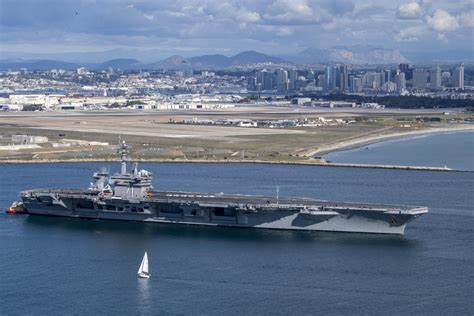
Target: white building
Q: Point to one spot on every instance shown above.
(400, 81)
(458, 80)
(356, 85)
(435, 78)
(46, 100)
(247, 123)
(82, 71)
(372, 105)
(334, 104)
(27, 139)
(300, 101)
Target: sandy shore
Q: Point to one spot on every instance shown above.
(364, 141)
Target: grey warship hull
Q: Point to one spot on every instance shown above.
(225, 210)
(129, 196)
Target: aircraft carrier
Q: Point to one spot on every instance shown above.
(129, 196)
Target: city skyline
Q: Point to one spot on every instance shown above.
(280, 28)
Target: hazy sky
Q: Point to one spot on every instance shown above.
(191, 27)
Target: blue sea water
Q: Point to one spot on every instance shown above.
(454, 150)
(52, 266)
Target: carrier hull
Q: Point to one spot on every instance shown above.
(227, 210)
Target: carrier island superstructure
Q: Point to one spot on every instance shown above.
(129, 196)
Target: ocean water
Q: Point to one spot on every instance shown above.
(65, 266)
(454, 150)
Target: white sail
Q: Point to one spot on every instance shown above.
(144, 265)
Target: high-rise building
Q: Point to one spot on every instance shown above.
(282, 80)
(322, 81)
(265, 80)
(350, 81)
(301, 83)
(269, 81)
(356, 84)
(373, 80)
(435, 78)
(458, 80)
(407, 70)
(380, 79)
(377, 80)
(403, 67)
(292, 78)
(388, 75)
(331, 77)
(400, 81)
(419, 79)
(261, 79)
(327, 78)
(445, 78)
(343, 78)
(251, 83)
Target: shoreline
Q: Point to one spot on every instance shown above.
(365, 141)
(311, 161)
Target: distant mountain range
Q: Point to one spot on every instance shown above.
(40, 64)
(120, 63)
(173, 62)
(353, 55)
(356, 55)
(216, 61)
(46, 64)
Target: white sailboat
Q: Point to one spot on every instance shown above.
(143, 270)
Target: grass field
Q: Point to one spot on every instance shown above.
(152, 138)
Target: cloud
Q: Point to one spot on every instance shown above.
(339, 7)
(292, 12)
(285, 31)
(409, 34)
(294, 6)
(466, 19)
(246, 16)
(281, 26)
(441, 21)
(412, 10)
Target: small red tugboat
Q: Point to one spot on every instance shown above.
(16, 208)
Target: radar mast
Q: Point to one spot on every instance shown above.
(123, 150)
